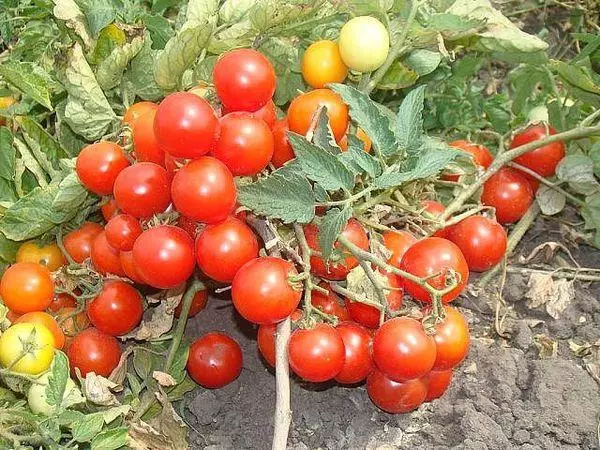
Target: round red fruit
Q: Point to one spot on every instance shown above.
(145, 144)
(397, 242)
(197, 305)
(98, 165)
(368, 315)
(26, 287)
(509, 192)
(480, 154)
(129, 267)
(105, 258)
(117, 309)
(452, 340)
(542, 160)
(358, 362)
(122, 231)
(302, 110)
(265, 338)
(94, 351)
(78, 243)
(282, 150)
(394, 397)
(143, 190)
(214, 360)
(330, 304)
(437, 382)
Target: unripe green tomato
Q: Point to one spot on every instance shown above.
(36, 396)
(364, 43)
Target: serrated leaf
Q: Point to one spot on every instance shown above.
(110, 439)
(550, 200)
(98, 14)
(70, 12)
(321, 166)
(285, 57)
(409, 121)
(84, 430)
(57, 381)
(141, 73)
(179, 54)
(87, 111)
(368, 115)
(200, 11)
(363, 159)
(284, 194)
(110, 70)
(323, 135)
(26, 77)
(8, 155)
(331, 226)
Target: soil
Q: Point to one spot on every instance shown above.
(505, 395)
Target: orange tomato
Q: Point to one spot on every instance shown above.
(322, 64)
(360, 134)
(304, 107)
(137, 110)
(46, 255)
(42, 318)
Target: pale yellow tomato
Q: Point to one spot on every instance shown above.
(27, 348)
(364, 43)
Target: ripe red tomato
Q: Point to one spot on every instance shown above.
(265, 338)
(105, 259)
(143, 190)
(244, 80)
(282, 150)
(330, 304)
(93, 351)
(542, 160)
(267, 113)
(316, 354)
(354, 232)
(509, 193)
(98, 165)
(303, 108)
(402, 350)
(198, 304)
(109, 208)
(122, 231)
(358, 362)
(62, 301)
(215, 360)
(190, 226)
(45, 319)
(78, 243)
(261, 290)
(26, 287)
(137, 110)
(482, 241)
(117, 309)
(428, 257)
(397, 242)
(480, 154)
(394, 397)
(452, 340)
(129, 267)
(437, 382)
(222, 248)
(164, 256)
(245, 144)
(185, 125)
(204, 190)
(145, 144)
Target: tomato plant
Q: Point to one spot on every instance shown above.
(451, 340)
(117, 309)
(397, 242)
(330, 304)
(265, 338)
(72, 322)
(129, 267)
(26, 287)
(282, 150)
(145, 143)
(98, 166)
(368, 315)
(198, 304)
(137, 110)
(364, 43)
(214, 360)
(437, 382)
(94, 351)
(122, 231)
(60, 301)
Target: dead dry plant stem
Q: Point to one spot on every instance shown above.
(283, 410)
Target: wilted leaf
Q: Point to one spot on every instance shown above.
(28, 78)
(159, 323)
(7, 155)
(69, 11)
(98, 390)
(111, 69)
(550, 200)
(542, 289)
(398, 76)
(164, 379)
(359, 283)
(141, 73)
(200, 11)
(548, 348)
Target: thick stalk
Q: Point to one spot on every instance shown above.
(283, 411)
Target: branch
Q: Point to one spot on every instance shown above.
(283, 412)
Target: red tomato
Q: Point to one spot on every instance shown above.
(358, 362)
(78, 243)
(542, 160)
(397, 242)
(261, 290)
(433, 207)
(282, 150)
(198, 304)
(185, 125)
(105, 259)
(109, 208)
(402, 350)
(451, 340)
(62, 301)
(330, 304)
(222, 248)
(45, 319)
(480, 154)
(265, 338)
(316, 354)
(137, 110)
(93, 351)
(145, 143)
(215, 360)
(122, 231)
(143, 190)
(164, 256)
(27, 287)
(244, 80)
(204, 190)
(437, 382)
(428, 257)
(98, 165)
(245, 144)
(117, 309)
(354, 232)
(394, 397)
(267, 113)
(129, 267)
(482, 241)
(509, 193)
(188, 225)
(303, 108)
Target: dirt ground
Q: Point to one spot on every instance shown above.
(505, 395)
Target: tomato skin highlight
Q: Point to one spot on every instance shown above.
(509, 193)
(364, 43)
(402, 350)
(244, 80)
(198, 304)
(322, 64)
(93, 351)
(394, 397)
(105, 258)
(398, 242)
(261, 290)
(143, 190)
(109, 209)
(98, 165)
(13, 343)
(137, 110)
(542, 160)
(428, 257)
(164, 256)
(47, 255)
(437, 382)
(60, 301)
(78, 243)
(185, 125)
(204, 190)
(214, 360)
(316, 354)
(358, 362)
(282, 150)
(26, 287)
(482, 241)
(122, 231)
(46, 320)
(223, 248)
(480, 154)
(145, 143)
(452, 340)
(303, 108)
(117, 309)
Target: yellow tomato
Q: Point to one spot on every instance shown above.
(27, 348)
(322, 64)
(46, 255)
(364, 43)
(5, 102)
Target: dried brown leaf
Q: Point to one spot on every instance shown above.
(164, 379)
(98, 390)
(556, 295)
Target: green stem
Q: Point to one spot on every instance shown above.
(347, 200)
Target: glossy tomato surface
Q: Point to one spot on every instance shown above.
(330, 304)
(394, 397)
(509, 192)
(398, 242)
(302, 110)
(214, 360)
(93, 351)
(117, 309)
(145, 143)
(129, 267)
(105, 258)
(109, 208)
(143, 190)
(322, 64)
(45, 319)
(542, 160)
(452, 340)
(26, 287)
(78, 243)
(98, 165)
(437, 382)
(282, 150)
(358, 362)
(137, 110)
(197, 305)
(122, 231)
(48, 255)
(265, 338)
(364, 43)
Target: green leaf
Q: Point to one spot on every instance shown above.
(71, 194)
(284, 56)
(159, 28)
(321, 166)
(87, 111)
(578, 171)
(578, 76)
(7, 155)
(45, 140)
(110, 414)
(364, 160)
(144, 363)
(368, 115)
(454, 26)
(331, 226)
(591, 212)
(200, 11)
(8, 249)
(141, 73)
(31, 163)
(110, 70)
(423, 62)
(323, 135)
(110, 38)
(74, 18)
(409, 122)
(232, 11)
(179, 54)
(84, 430)
(398, 76)
(178, 368)
(594, 156)
(29, 79)
(204, 70)
(110, 439)
(57, 381)
(285, 194)
(550, 200)
(98, 14)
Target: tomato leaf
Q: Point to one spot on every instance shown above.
(45, 140)
(200, 11)
(550, 200)
(235, 10)
(110, 70)
(323, 135)
(57, 381)
(398, 76)
(140, 74)
(179, 362)
(98, 14)
(159, 28)
(331, 226)
(204, 70)
(29, 79)
(69, 11)
(578, 76)
(409, 122)
(578, 171)
(85, 429)
(8, 249)
(362, 159)
(110, 439)
(423, 61)
(71, 193)
(8, 155)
